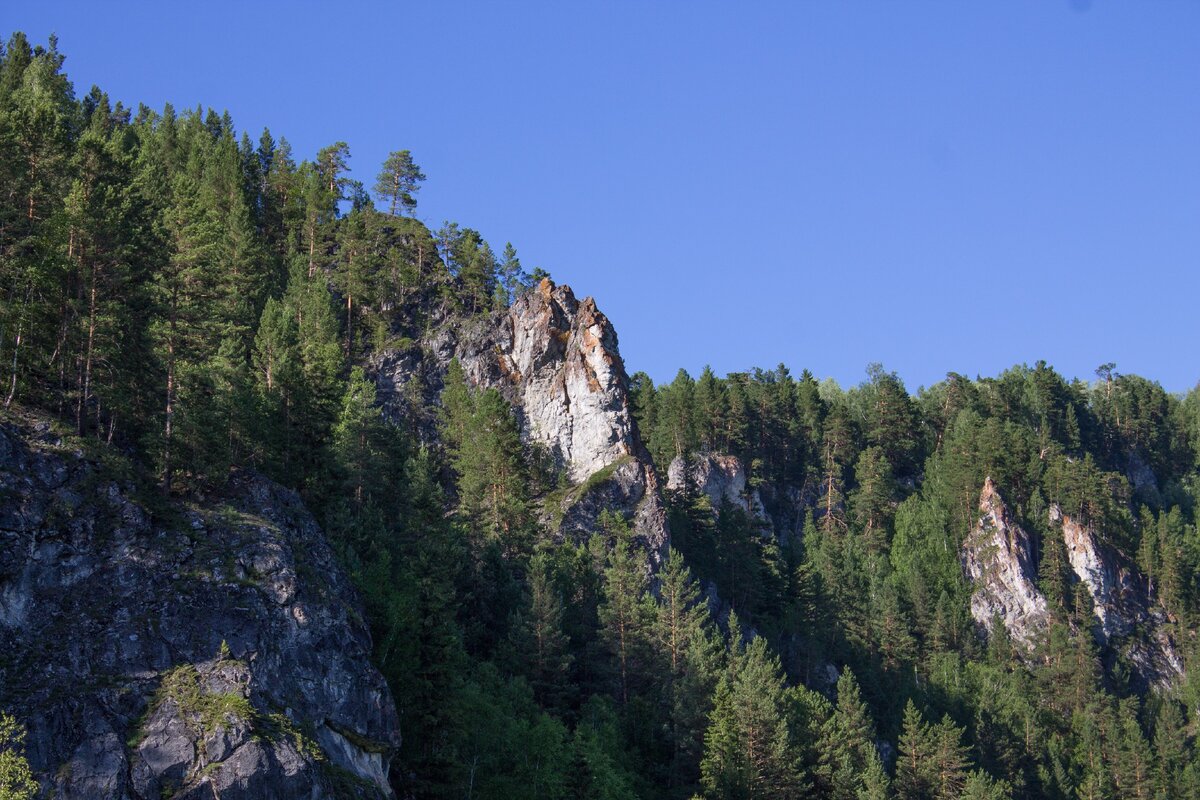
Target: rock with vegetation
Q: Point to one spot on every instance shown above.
(1122, 600)
(154, 649)
(720, 476)
(998, 559)
(556, 360)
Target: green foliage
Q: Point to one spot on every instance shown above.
(748, 748)
(847, 744)
(203, 711)
(488, 458)
(399, 181)
(626, 613)
(16, 778)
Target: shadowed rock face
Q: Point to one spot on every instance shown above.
(722, 477)
(998, 559)
(555, 358)
(111, 632)
(1122, 600)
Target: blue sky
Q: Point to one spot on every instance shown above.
(933, 185)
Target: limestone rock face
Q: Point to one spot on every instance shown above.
(556, 359)
(1122, 602)
(112, 627)
(998, 559)
(722, 477)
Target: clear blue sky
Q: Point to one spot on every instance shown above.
(933, 185)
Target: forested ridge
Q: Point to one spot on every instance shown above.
(194, 304)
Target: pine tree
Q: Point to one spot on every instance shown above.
(488, 458)
(949, 760)
(674, 428)
(598, 769)
(725, 770)
(876, 785)
(626, 612)
(914, 773)
(712, 406)
(355, 275)
(871, 503)
(359, 440)
(1170, 751)
(835, 447)
(512, 280)
(688, 653)
(847, 743)
(759, 708)
(1134, 767)
(981, 786)
(476, 269)
(109, 238)
(541, 642)
(399, 181)
(185, 326)
(298, 373)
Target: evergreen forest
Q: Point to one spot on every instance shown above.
(194, 302)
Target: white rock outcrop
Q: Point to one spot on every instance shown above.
(561, 355)
(556, 359)
(1122, 601)
(998, 560)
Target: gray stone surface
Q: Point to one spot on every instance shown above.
(100, 603)
(720, 476)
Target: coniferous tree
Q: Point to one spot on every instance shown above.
(399, 181)
(847, 743)
(689, 658)
(539, 644)
(625, 613)
(871, 502)
(16, 778)
(914, 762)
(981, 786)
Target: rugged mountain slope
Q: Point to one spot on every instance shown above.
(221, 653)
(998, 560)
(556, 359)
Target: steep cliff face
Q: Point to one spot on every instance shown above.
(998, 559)
(215, 652)
(722, 477)
(556, 359)
(1122, 600)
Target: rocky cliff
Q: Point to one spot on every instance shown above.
(214, 650)
(556, 359)
(1122, 601)
(720, 476)
(999, 560)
